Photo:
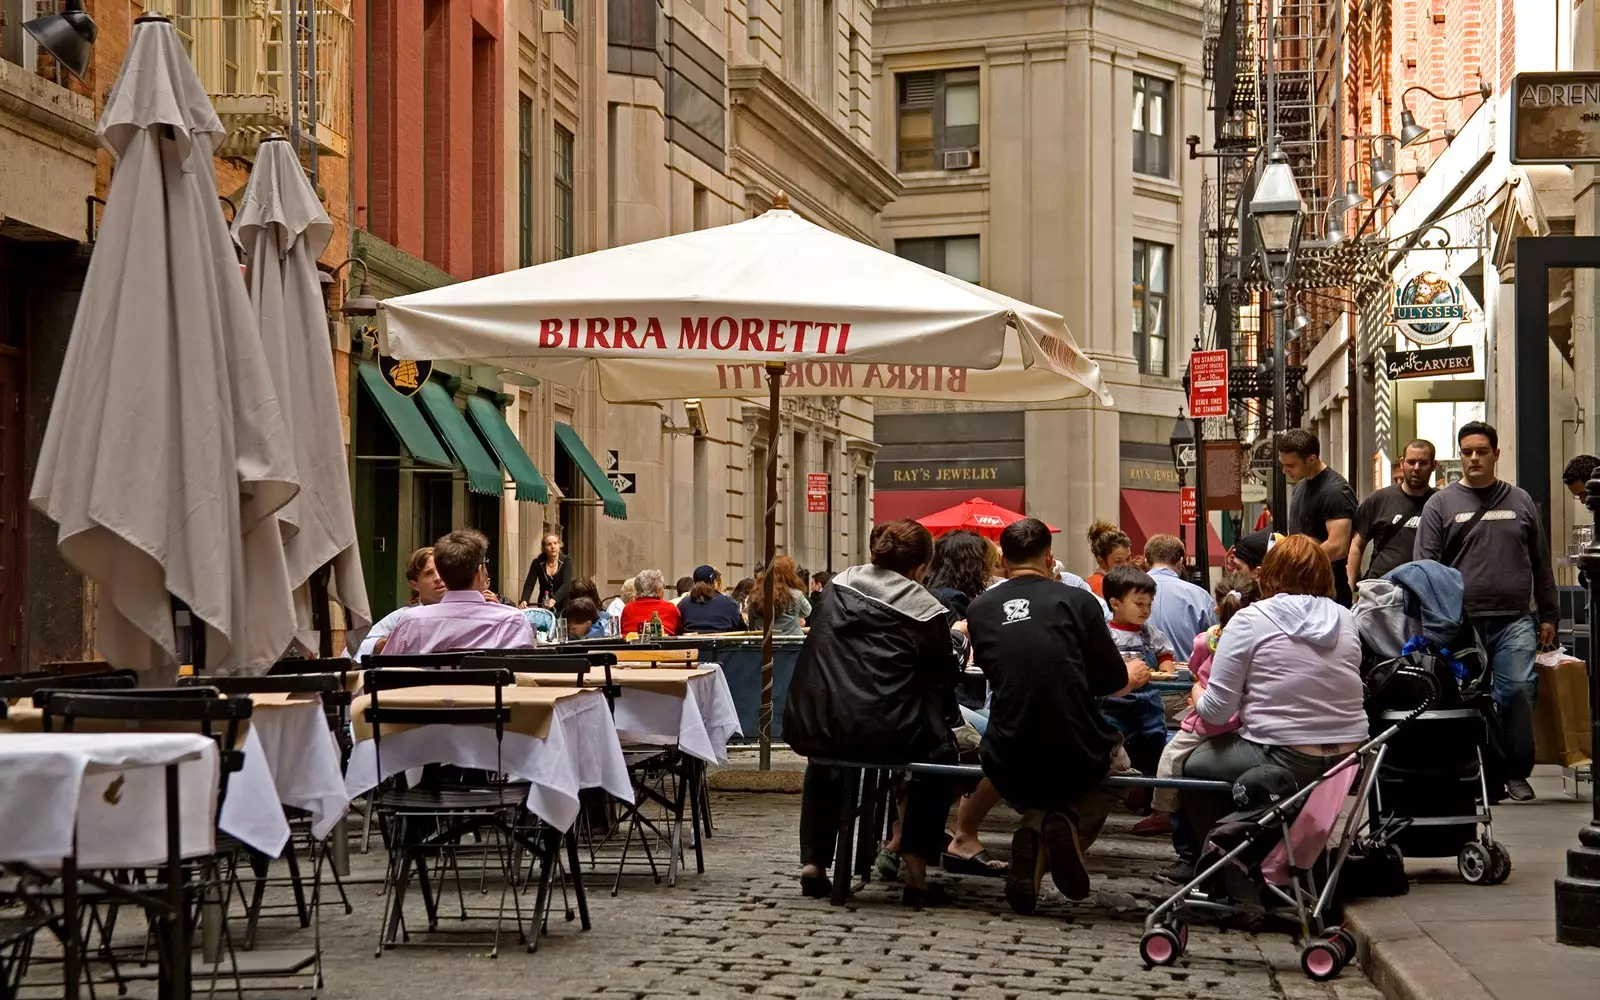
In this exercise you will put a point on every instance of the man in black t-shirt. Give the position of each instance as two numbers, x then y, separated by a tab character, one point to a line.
1048	656
1324	504
1386	522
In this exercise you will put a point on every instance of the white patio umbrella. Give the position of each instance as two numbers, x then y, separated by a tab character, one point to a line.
166	455
718	311
283	228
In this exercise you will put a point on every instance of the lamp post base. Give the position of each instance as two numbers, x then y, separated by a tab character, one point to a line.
1578	892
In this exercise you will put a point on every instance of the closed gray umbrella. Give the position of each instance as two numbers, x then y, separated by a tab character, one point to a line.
166	455
283	229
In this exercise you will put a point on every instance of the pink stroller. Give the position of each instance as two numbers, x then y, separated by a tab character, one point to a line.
1279	857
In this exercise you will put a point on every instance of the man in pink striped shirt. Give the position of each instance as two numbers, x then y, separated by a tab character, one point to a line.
463	618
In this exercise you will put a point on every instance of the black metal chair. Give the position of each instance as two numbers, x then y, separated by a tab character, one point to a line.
180	709
34	686
323	685
428	822
424	661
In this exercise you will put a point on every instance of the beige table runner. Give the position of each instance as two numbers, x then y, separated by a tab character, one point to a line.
658	679
531	707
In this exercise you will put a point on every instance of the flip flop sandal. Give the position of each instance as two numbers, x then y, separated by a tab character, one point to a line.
982	864
887	865
1060	836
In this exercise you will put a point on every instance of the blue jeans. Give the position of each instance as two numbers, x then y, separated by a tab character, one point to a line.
1511	644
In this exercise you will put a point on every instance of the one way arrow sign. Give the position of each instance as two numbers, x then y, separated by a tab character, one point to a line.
1186	456
624	482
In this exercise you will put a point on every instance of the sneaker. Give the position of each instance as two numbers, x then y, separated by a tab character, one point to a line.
1027	867
1065	856
1179	873
1520	790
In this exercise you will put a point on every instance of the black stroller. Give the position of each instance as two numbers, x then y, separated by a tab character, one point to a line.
1431	797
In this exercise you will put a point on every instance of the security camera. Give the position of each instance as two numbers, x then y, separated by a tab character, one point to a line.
695	414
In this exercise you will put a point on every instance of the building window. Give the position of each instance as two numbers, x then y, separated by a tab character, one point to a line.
568	9
564	241
1151	326
524	181
938	120
1152	126
956	256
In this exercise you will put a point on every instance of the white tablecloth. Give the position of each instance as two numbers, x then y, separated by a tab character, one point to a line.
699	723
109	789
303	757
580	751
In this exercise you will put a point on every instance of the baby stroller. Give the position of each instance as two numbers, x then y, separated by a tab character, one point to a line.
1281	853
1431	798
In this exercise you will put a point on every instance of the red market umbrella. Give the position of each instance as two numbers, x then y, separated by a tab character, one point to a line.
980	515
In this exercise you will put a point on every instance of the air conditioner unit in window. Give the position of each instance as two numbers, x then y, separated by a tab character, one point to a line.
960	159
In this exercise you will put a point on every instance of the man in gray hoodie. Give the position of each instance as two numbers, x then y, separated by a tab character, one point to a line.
1492	533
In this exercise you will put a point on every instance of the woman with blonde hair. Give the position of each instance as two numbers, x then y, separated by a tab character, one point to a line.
549	576
1111	548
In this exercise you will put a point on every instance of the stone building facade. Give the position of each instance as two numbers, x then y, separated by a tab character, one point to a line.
636	119
1039	143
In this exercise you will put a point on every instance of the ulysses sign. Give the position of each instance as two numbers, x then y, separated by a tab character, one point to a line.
1555	118
1429	364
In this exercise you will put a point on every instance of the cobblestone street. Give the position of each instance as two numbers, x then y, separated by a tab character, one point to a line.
743	929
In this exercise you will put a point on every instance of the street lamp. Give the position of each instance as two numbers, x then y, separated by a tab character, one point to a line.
1578	892
1410	132
1278	212
1184	454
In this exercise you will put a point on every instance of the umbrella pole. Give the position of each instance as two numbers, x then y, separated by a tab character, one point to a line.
764	724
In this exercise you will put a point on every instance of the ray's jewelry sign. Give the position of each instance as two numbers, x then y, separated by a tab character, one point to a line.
1555	118
1428	306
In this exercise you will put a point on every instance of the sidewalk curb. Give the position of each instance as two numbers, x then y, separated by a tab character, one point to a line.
1402	960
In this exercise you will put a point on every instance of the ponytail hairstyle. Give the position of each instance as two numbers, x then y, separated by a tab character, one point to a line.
1234	593
1106	538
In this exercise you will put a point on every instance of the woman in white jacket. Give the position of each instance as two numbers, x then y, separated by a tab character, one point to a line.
1290	665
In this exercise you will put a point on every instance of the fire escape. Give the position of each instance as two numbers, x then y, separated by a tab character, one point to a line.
1272	67
272	66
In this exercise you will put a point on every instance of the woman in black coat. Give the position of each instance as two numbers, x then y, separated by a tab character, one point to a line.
549	576
870	685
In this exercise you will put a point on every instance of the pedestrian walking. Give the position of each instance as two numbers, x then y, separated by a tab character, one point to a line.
1324	505
1491	532
1386	522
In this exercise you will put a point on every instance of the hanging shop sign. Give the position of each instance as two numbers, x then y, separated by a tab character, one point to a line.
404	377
1428	306
1555	118
1429	364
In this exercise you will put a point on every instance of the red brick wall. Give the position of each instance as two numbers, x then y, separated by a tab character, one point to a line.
434	122
1441	45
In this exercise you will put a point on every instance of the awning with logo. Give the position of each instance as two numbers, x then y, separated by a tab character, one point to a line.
483	474
610	499
524	474
403	417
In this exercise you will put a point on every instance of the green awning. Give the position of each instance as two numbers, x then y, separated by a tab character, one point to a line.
403	417
483	473
611	500
530	485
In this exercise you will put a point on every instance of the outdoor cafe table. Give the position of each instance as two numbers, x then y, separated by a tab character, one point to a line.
288	774
111	800
559	740
689	709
